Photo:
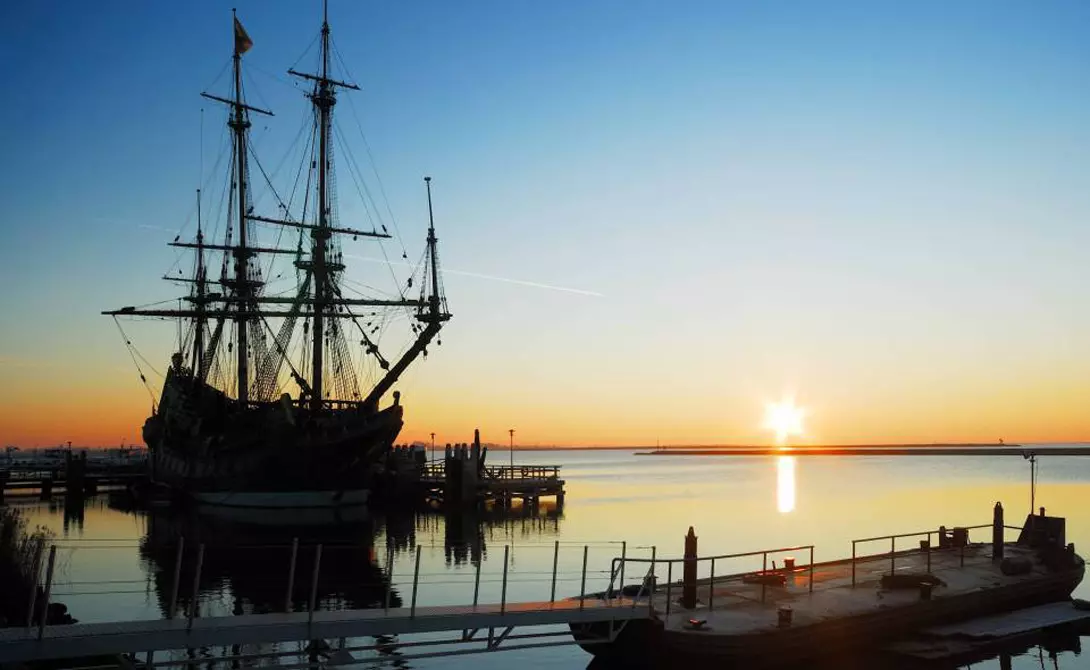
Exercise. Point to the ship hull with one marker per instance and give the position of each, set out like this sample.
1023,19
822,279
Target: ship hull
266,457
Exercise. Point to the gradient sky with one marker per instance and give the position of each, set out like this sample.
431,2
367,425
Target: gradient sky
880,207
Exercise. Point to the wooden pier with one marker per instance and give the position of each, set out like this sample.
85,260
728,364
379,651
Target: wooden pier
463,478
76,475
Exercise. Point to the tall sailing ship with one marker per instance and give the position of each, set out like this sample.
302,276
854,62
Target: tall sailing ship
227,429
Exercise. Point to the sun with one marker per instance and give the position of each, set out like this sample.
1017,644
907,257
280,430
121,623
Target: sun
784,419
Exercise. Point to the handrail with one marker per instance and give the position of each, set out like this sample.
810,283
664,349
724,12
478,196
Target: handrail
892,553
764,553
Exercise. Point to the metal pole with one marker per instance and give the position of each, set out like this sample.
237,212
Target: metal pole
416,580
291,574
929,553
811,568
654,583
503,588
556,556
477,583
669,584
313,601
583,582
38,549
177,576
624,550
892,545
389,578
196,586
764,569
853,562
48,588
711,588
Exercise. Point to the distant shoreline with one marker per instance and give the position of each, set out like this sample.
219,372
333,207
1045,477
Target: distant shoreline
877,450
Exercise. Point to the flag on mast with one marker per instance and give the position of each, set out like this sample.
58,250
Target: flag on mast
242,40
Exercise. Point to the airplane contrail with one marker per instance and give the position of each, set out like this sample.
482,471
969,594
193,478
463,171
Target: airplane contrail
478,275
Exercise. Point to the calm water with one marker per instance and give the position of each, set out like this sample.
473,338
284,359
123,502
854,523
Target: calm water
117,564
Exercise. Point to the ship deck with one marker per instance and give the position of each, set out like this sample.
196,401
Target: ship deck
732,607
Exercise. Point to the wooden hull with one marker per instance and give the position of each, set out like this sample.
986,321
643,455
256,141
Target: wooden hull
270,456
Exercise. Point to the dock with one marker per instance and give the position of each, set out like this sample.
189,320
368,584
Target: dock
774,601
75,475
463,478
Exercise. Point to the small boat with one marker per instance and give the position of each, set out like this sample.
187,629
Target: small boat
850,605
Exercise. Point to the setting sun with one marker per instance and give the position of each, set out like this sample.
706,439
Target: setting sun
784,419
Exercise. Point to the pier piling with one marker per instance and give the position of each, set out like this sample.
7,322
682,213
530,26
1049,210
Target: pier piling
997,532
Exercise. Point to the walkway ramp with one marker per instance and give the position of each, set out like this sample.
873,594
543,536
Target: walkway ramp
23,644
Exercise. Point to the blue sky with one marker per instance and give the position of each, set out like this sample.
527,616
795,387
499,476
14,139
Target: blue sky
879,206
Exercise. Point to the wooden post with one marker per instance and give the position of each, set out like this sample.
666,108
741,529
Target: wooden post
997,532
688,588
583,581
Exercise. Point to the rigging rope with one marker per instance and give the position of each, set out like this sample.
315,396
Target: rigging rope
131,349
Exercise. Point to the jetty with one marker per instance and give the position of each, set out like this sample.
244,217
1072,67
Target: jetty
464,478
75,474
769,604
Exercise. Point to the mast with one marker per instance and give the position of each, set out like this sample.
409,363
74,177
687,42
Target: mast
324,100
433,318
198,335
239,124
323,97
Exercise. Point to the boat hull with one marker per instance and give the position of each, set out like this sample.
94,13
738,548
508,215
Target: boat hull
267,457
654,643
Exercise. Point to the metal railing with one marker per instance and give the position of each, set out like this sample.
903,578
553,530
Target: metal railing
930,547
436,470
654,562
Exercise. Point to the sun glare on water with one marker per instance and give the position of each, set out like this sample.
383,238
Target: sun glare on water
784,419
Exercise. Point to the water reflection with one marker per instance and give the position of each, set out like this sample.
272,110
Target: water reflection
785,484
247,568
466,533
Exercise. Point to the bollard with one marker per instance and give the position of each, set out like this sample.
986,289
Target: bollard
997,532
196,586
177,576
556,556
688,575
48,588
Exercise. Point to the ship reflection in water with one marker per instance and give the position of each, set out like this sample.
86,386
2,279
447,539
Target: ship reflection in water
246,568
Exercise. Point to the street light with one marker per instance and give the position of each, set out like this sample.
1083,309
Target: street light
511,446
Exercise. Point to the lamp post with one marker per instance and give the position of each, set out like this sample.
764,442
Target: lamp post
511,446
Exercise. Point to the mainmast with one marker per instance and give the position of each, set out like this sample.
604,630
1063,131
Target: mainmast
323,97
240,123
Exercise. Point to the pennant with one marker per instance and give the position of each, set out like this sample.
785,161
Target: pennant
242,40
